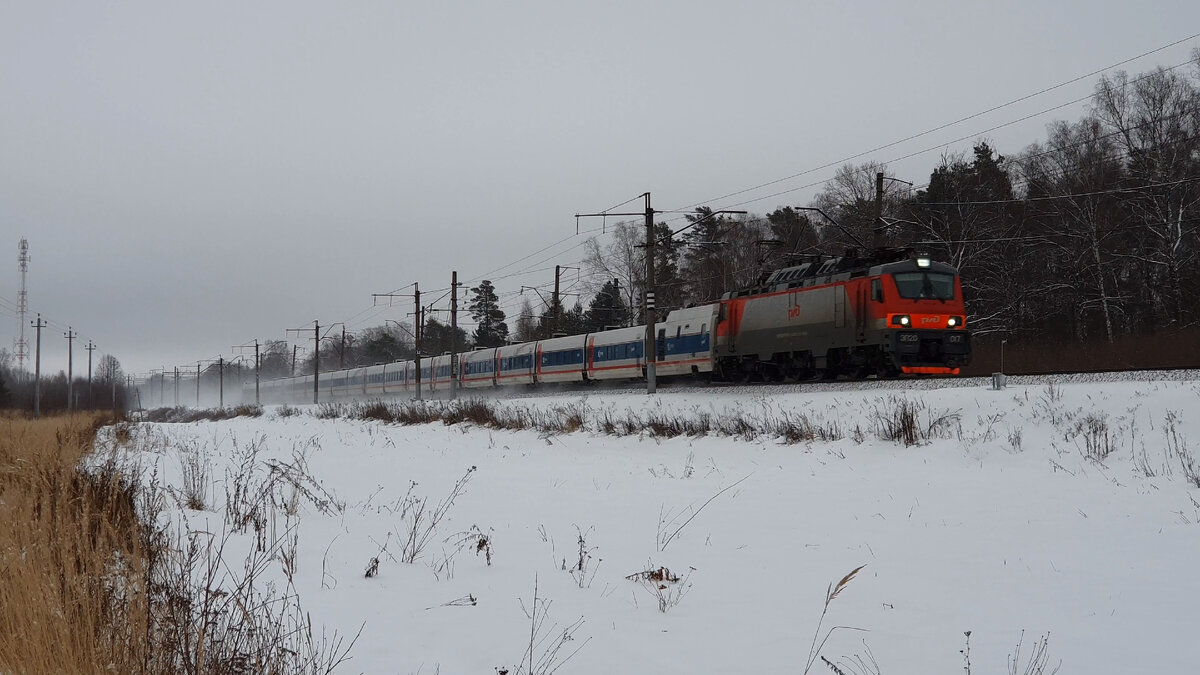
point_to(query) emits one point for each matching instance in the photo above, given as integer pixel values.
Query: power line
(944, 126)
(1135, 188)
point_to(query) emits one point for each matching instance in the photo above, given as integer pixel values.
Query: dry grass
(181, 414)
(91, 582)
(71, 551)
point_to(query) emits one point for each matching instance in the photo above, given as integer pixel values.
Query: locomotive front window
(925, 285)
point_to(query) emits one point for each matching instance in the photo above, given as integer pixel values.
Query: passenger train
(889, 314)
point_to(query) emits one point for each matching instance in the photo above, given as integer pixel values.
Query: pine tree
(608, 308)
(490, 330)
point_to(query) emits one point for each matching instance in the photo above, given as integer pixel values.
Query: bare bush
(670, 525)
(474, 539)
(420, 520)
(286, 410)
(1176, 446)
(903, 422)
(377, 411)
(1050, 404)
(195, 470)
(1097, 442)
(182, 415)
(1038, 660)
(667, 588)
(546, 652)
(204, 614)
(584, 571)
(330, 411)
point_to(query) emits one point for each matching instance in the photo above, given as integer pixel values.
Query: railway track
(886, 384)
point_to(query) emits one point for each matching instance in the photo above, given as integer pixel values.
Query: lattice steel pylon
(22, 347)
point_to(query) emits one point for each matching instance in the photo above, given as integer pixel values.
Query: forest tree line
(1085, 238)
(1088, 237)
(1084, 243)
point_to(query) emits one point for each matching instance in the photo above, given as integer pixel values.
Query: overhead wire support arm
(257, 368)
(648, 302)
(836, 224)
(316, 356)
(418, 319)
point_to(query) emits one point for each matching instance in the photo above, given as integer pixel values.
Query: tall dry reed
(71, 553)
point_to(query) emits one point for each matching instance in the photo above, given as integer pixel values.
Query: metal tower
(22, 305)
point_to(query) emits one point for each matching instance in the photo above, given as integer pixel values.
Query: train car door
(860, 310)
(839, 306)
(537, 364)
(589, 357)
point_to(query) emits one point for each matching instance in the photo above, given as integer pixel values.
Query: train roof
(830, 269)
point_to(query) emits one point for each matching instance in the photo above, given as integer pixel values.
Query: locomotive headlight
(922, 262)
(901, 320)
(952, 321)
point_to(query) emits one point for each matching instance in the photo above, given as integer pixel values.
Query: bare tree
(1074, 177)
(621, 258)
(849, 197)
(1156, 121)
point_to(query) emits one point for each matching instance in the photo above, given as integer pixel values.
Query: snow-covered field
(1004, 519)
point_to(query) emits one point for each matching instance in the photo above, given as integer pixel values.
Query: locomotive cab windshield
(925, 285)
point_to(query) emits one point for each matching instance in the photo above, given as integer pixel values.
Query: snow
(998, 524)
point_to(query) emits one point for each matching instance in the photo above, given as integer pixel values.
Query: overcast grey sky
(195, 176)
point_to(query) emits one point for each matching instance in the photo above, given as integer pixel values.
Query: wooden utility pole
(197, 384)
(555, 307)
(651, 352)
(453, 335)
(877, 226)
(316, 357)
(257, 367)
(176, 386)
(70, 335)
(257, 364)
(342, 353)
(37, 367)
(90, 348)
(648, 304)
(221, 381)
(419, 320)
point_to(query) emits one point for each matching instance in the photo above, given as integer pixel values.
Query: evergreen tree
(384, 344)
(607, 308)
(548, 326)
(572, 322)
(706, 261)
(668, 285)
(797, 236)
(436, 339)
(490, 330)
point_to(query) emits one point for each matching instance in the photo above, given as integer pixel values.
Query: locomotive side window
(877, 290)
(925, 285)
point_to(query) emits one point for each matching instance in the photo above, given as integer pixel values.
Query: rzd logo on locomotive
(930, 319)
(793, 313)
